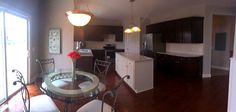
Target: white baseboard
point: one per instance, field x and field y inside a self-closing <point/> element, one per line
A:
<point x="221" y="68"/>
<point x="206" y="75"/>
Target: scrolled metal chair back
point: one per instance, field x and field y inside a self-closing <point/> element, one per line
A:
<point x="101" y="68"/>
<point x="46" y="65"/>
<point x="113" y="93"/>
<point x="24" y="91"/>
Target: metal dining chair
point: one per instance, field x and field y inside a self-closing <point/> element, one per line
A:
<point x="100" y="105"/>
<point x="47" y="66"/>
<point x="40" y="103"/>
<point x="100" y="69"/>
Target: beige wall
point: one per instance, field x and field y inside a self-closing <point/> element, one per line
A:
<point x="30" y="9"/>
<point x="53" y="16"/>
<point x="220" y="59"/>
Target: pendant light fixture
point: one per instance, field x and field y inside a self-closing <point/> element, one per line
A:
<point x="132" y="27"/>
<point x="78" y="17"/>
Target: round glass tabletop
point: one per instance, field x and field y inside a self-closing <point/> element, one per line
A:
<point x="71" y="88"/>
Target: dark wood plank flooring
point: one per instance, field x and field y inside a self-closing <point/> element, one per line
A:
<point x="170" y="94"/>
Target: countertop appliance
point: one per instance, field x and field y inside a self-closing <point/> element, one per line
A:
<point x="109" y="47"/>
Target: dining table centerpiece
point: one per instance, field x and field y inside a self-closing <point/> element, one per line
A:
<point x="74" y="55"/>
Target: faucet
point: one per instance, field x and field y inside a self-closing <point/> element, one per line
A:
<point x="79" y="45"/>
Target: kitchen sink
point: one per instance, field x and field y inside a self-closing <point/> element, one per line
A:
<point x="85" y="52"/>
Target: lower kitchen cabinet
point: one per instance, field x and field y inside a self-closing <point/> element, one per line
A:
<point x="85" y="63"/>
<point x="180" y="66"/>
<point x="138" y="67"/>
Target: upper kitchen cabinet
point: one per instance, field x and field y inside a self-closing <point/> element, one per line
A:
<point x="186" y="30"/>
<point x="97" y="32"/>
<point x="118" y="31"/>
<point x="192" y="30"/>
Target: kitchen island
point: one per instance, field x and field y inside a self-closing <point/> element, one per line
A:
<point x="138" y="67"/>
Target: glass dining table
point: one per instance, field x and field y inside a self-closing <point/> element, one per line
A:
<point x="70" y="91"/>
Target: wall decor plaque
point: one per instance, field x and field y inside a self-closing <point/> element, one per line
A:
<point x="54" y="45"/>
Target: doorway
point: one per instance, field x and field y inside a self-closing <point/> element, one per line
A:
<point x="222" y="44"/>
<point x="13" y="49"/>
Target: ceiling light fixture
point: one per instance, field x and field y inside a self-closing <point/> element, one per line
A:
<point x="132" y="27"/>
<point x="78" y="17"/>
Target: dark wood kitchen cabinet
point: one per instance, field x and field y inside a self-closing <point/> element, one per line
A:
<point x="185" y="30"/>
<point x="97" y="32"/>
<point x="85" y="63"/>
<point x="179" y="66"/>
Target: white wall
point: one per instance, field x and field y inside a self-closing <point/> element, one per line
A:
<point x="232" y="80"/>
<point x="132" y="40"/>
<point x="132" y="43"/>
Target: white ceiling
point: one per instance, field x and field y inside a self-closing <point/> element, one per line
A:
<point x="120" y="9"/>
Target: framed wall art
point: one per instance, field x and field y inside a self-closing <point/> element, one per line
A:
<point x="54" y="45"/>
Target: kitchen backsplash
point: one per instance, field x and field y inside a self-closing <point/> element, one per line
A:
<point x="185" y="48"/>
<point x="109" y="39"/>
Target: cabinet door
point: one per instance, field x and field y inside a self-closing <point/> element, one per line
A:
<point x="123" y="66"/>
<point x="117" y="64"/>
<point x="79" y="34"/>
<point x="93" y="33"/>
<point x="179" y="30"/>
<point x="170" y="32"/>
<point x="186" y="28"/>
<point x="197" y="30"/>
<point x="130" y="72"/>
<point x="118" y="31"/>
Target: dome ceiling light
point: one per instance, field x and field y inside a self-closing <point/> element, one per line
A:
<point x="78" y="17"/>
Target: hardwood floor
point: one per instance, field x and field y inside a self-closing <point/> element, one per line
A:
<point x="170" y="94"/>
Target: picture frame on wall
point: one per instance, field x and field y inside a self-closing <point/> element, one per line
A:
<point x="54" y="45"/>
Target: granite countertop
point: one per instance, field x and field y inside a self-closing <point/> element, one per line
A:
<point x="180" y="54"/>
<point x="134" y="57"/>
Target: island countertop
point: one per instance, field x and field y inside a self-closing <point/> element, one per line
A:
<point x="134" y="56"/>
